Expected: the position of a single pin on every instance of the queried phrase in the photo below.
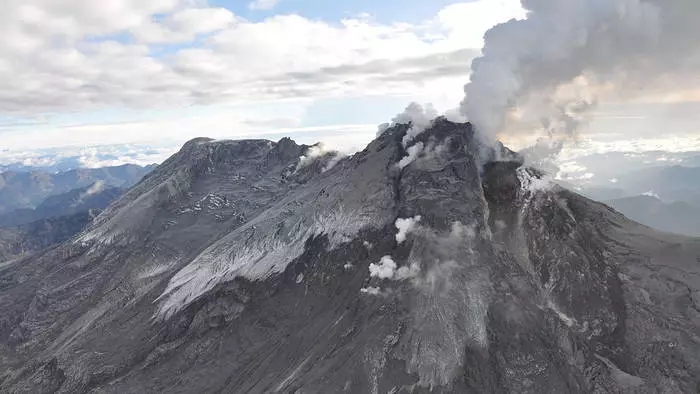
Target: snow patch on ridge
(256, 251)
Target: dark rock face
(232, 268)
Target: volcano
(233, 268)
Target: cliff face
(234, 268)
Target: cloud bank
(79, 55)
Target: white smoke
(405, 226)
(373, 291)
(407, 272)
(420, 118)
(319, 151)
(387, 269)
(531, 183)
(412, 154)
(384, 270)
(335, 159)
(553, 66)
(96, 187)
(382, 128)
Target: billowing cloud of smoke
(384, 270)
(531, 183)
(405, 226)
(387, 269)
(553, 66)
(419, 117)
(319, 151)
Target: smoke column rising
(552, 65)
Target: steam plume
(553, 65)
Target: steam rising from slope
(552, 66)
(318, 151)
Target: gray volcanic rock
(232, 268)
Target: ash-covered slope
(231, 268)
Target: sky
(116, 81)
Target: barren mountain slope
(231, 268)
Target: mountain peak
(234, 268)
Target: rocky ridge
(230, 268)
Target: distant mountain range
(666, 198)
(669, 183)
(20, 241)
(602, 168)
(28, 190)
(677, 217)
(96, 196)
(38, 209)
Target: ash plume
(553, 66)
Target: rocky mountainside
(235, 267)
(27, 190)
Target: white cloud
(384, 270)
(387, 269)
(96, 187)
(405, 226)
(311, 155)
(652, 193)
(420, 118)
(532, 183)
(78, 55)
(318, 151)
(408, 272)
(262, 4)
(374, 291)
(462, 20)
